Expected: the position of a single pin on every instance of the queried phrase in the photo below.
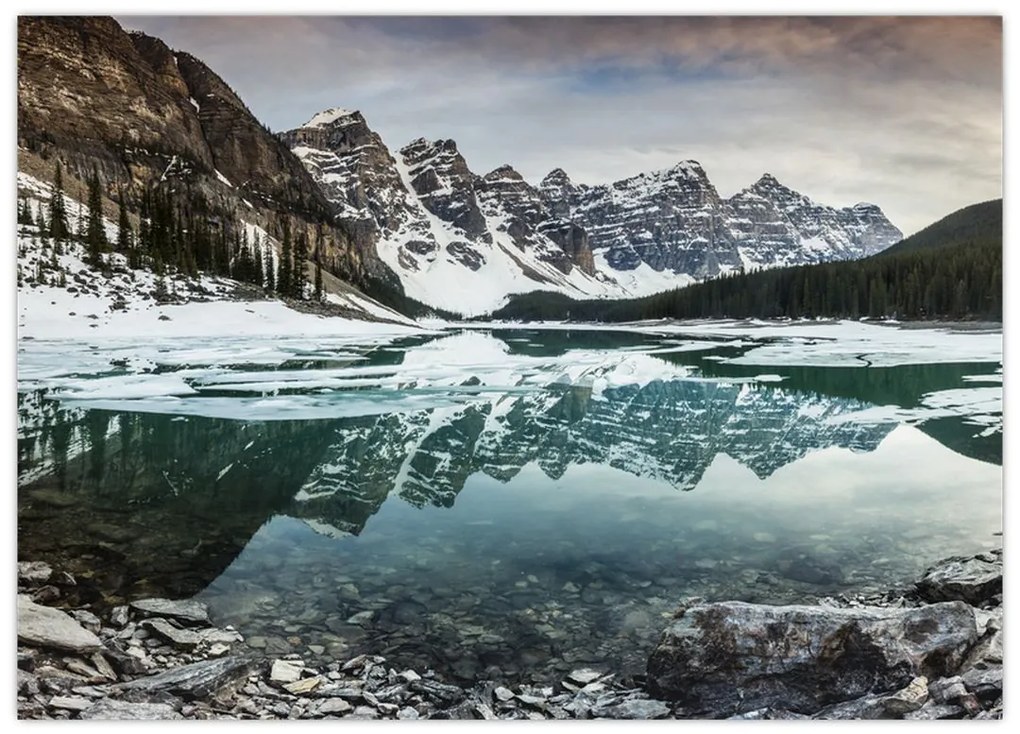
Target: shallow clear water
(506, 504)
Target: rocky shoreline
(930, 652)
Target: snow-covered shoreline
(48, 312)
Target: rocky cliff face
(517, 207)
(440, 177)
(90, 93)
(666, 219)
(85, 90)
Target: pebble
(334, 706)
(71, 703)
(285, 671)
(366, 687)
(584, 676)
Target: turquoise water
(504, 504)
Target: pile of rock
(935, 653)
(163, 659)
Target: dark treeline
(951, 270)
(179, 233)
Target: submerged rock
(973, 579)
(638, 708)
(286, 671)
(729, 657)
(52, 628)
(70, 703)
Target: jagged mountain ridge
(447, 231)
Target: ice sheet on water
(980, 407)
(813, 343)
(299, 377)
(322, 377)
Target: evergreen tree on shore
(59, 230)
(125, 236)
(285, 283)
(299, 275)
(318, 272)
(95, 233)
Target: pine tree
(59, 230)
(259, 269)
(285, 284)
(79, 233)
(270, 274)
(95, 235)
(318, 272)
(300, 278)
(124, 238)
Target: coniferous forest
(949, 270)
(178, 233)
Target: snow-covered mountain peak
(556, 177)
(769, 187)
(329, 116)
(687, 169)
(505, 173)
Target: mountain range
(412, 223)
(464, 241)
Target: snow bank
(53, 313)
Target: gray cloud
(905, 112)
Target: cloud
(905, 112)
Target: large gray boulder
(51, 628)
(973, 579)
(730, 657)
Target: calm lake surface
(504, 503)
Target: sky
(904, 112)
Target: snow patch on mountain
(320, 119)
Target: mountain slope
(974, 224)
(62, 294)
(950, 270)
